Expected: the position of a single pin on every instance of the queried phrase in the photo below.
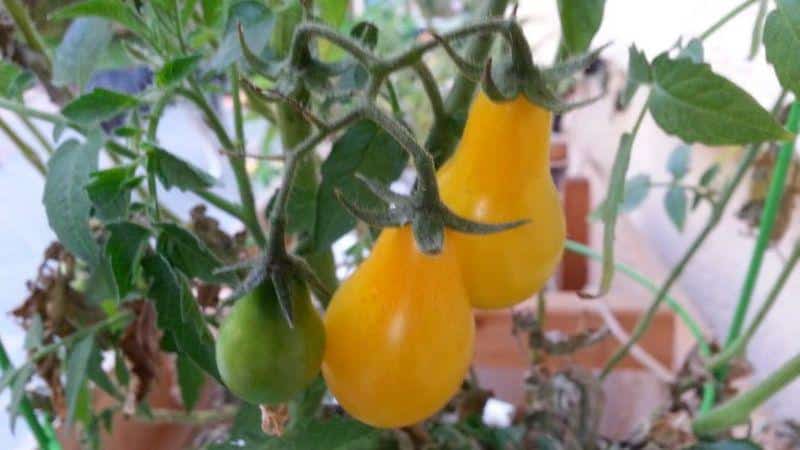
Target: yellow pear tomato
(400, 333)
(500, 172)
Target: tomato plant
(357, 102)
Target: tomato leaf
(190, 255)
(693, 51)
(97, 106)
(365, 149)
(110, 191)
(115, 10)
(77, 364)
(190, 381)
(176, 70)
(77, 55)
(639, 72)
(179, 315)
(124, 250)
(174, 171)
(14, 80)
(580, 20)
(697, 105)
(257, 22)
(678, 162)
(782, 42)
(66, 201)
(675, 202)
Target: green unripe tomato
(261, 359)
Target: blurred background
(651, 241)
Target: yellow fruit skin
(500, 172)
(400, 333)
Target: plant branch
(196, 418)
(716, 215)
(431, 90)
(25, 25)
(27, 151)
(37, 133)
(738, 345)
(737, 410)
(683, 314)
(725, 19)
(38, 430)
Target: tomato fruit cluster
(400, 329)
(399, 333)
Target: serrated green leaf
(333, 12)
(176, 70)
(174, 171)
(678, 162)
(257, 23)
(97, 106)
(675, 202)
(66, 201)
(114, 10)
(110, 191)
(77, 363)
(77, 55)
(782, 43)
(190, 255)
(179, 315)
(124, 249)
(697, 105)
(190, 381)
(213, 12)
(365, 149)
(580, 20)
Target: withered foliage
(140, 344)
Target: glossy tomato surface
(400, 333)
(500, 172)
(260, 358)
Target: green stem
(725, 19)
(108, 322)
(37, 133)
(236, 161)
(444, 136)
(737, 410)
(55, 119)
(683, 314)
(238, 164)
(614, 194)
(738, 345)
(677, 271)
(27, 151)
(767, 223)
(26, 26)
(225, 205)
(431, 90)
(42, 433)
